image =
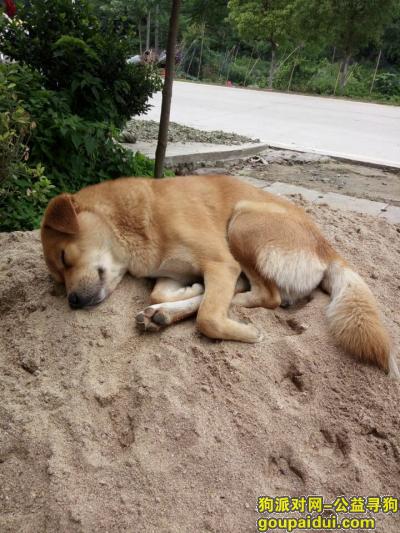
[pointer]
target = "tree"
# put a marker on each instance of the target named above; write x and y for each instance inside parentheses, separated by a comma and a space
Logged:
(141, 20)
(349, 25)
(81, 57)
(263, 20)
(167, 90)
(391, 40)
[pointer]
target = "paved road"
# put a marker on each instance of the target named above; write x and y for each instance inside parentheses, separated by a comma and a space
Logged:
(354, 130)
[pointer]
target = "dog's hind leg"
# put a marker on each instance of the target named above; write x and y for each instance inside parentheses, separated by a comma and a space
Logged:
(283, 251)
(262, 293)
(166, 310)
(170, 290)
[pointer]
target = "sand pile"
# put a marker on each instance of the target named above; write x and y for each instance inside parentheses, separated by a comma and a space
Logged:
(105, 429)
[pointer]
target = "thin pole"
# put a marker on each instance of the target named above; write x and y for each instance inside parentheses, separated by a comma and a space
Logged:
(201, 50)
(292, 72)
(376, 70)
(229, 63)
(337, 79)
(250, 60)
(280, 65)
(191, 60)
(251, 70)
(167, 90)
(223, 63)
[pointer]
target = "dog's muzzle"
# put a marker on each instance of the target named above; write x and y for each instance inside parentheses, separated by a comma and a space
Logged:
(78, 301)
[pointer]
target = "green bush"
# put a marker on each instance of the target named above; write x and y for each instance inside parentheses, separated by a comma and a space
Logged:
(13, 125)
(309, 75)
(317, 76)
(388, 83)
(23, 197)
(79, 58)
(24, 189)
(70, 150)
(72, 80)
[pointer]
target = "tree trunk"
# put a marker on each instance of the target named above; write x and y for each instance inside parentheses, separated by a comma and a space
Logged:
(344, 70)
(272, 66)
(167, 90)
(157, 28)
(148, 27)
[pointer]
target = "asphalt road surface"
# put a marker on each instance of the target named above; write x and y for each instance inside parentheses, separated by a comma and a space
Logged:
(343, 128)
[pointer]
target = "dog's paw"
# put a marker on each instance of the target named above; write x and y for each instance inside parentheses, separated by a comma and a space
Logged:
(250, 333)
(259, 337)
(153, 318)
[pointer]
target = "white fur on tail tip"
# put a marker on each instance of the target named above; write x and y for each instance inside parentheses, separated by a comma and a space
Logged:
(354, 318)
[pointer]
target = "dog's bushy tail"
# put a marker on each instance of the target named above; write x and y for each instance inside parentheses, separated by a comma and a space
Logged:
(354, 318)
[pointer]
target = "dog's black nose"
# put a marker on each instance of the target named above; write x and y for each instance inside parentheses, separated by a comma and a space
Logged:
(74, 301)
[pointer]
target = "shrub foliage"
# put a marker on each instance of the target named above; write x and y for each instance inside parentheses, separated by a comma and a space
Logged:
(62, 102)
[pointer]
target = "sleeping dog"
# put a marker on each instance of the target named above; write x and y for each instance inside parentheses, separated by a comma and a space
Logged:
(196, 236)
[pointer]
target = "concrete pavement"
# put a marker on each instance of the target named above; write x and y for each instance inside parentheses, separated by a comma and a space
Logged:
(358, 131)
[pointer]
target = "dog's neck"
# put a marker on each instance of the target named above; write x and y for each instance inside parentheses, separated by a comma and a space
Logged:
(132, 223)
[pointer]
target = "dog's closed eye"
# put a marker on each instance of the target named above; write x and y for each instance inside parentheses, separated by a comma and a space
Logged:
(101, 271)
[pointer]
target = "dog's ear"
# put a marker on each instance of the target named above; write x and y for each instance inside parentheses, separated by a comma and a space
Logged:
(62, 214)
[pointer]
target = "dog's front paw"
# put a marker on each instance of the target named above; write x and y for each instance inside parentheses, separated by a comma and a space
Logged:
(253, 335)
(153, 318)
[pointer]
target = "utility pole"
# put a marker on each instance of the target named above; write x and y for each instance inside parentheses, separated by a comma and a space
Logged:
(167, 89)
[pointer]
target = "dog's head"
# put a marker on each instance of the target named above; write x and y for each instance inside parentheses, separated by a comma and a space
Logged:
(80, 251)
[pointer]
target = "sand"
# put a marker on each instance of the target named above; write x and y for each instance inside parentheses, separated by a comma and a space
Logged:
(105, 429)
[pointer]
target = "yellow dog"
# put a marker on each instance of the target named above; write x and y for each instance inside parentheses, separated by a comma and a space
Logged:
(196, 235)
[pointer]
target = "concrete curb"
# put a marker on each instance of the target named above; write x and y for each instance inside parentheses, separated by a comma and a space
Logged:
(235, 153)
(240, 151)
(208, 155)
(345, 158)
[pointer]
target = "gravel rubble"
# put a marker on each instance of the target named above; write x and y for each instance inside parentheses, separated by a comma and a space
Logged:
(147, 130)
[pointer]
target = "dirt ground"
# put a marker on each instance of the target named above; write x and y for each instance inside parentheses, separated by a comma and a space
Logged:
(323, 174)
(312, 171)
(105, 429)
